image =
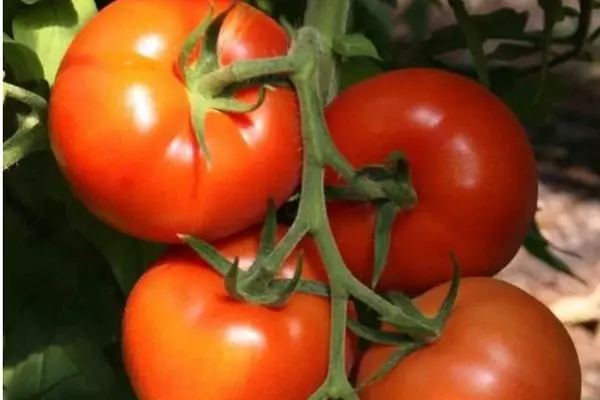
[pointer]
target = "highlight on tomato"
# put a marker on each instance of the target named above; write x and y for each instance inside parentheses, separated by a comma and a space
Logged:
(120, 119)
(470, 163)
(499, 343)
(184, 338)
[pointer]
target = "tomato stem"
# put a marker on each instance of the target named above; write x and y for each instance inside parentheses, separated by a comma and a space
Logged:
(337, 385)
(330, 18)
(213, 83)
(37, 103)
(30, 137)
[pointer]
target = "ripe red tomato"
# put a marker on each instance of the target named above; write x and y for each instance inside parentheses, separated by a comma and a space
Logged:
(121, 129)
(185, 339)
(470, 163)
(499, 343)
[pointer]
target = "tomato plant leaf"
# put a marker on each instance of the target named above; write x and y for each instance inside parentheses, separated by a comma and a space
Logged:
(394, 359)
(537, 245)
(377, 23)
(512, 51)
(519, 94)
(354, 70)
(62, 306)
(23, 62)
(384, 223)
(355, 45)
(553, 13)
(474, 39)
(48, 27)
(416, 16)
(505, 23)
(208, 253)
(381, 12)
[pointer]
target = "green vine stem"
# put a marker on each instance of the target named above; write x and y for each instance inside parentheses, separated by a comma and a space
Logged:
(31, 136)
(37, 103)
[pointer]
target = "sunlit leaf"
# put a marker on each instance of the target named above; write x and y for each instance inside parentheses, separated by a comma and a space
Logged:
(474, 39)
(355, 45)
(48, 27)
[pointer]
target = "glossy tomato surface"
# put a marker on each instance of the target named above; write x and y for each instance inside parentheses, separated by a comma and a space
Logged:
(470, 163)
(120, 124)
(499, 343)
(185, 339)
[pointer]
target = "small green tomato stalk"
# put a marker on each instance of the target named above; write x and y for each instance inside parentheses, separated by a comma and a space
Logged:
(310, 66)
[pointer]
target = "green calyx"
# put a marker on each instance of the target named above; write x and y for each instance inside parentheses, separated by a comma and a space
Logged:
(207, 81)
(261, 283)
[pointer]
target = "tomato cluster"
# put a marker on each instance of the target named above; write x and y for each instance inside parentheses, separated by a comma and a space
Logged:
(132, 157)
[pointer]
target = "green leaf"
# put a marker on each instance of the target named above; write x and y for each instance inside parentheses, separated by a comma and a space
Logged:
(354, 70)
(553, 13)
(376, 19)
(384, 223)
(538, 246)
(505, 23)
(474, 39)
(62, 307)
(48, 27)
(416, 16)
(512, 51)
(355, 45)
(381, 13)
(520, 95)
(128, 257)
(23, 62)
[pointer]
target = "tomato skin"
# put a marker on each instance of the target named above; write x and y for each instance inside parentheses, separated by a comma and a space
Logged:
(121, 130)
(499, 343)
(470, 163)
(185, 339)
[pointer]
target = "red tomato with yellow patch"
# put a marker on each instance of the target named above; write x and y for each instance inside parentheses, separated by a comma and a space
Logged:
(120, 124)
(471, 166)
(499, 343)
(184, 338)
